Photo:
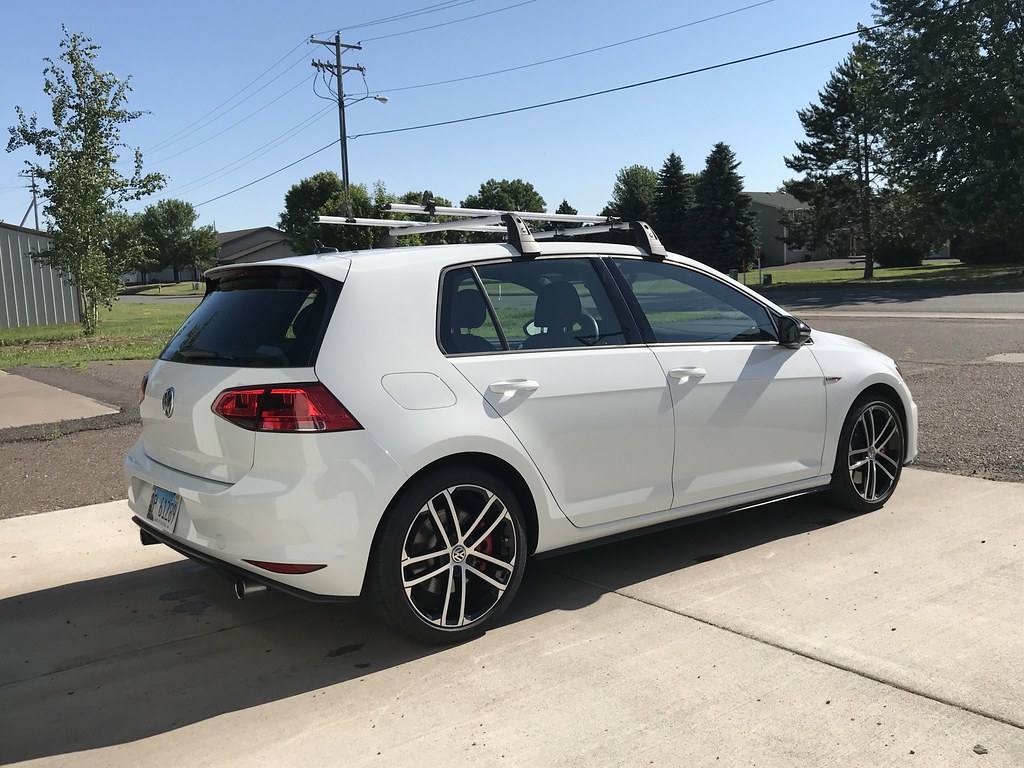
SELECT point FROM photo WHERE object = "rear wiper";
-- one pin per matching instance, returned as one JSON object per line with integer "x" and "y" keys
{"x": 194, "y": 353}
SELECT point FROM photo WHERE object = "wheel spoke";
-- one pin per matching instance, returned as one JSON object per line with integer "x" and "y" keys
{"x": 887, "y": 432}
{"x": 420, "y": 558}
{"x": 443, "y": 620}
{"x": 462, "y": 598}
{"x": 495, "y": 561}
{"x": 490, "y": 529}
{"x": 858, "y": 464}
{"x": 493, "y": 582}
{"x": 453, "y": 513}
{"x": 437, "y": 522}
{"x": 409, "y": 583}
{"x": 872, "y": 481}
{"x": 880, "y": 466}
{"x": 868, "y": 426}
{"x": 491, "y": 498}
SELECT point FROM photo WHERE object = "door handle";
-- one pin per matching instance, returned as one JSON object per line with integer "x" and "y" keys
{"x": 686, "y": 374}
{"x": 511, "y": 386}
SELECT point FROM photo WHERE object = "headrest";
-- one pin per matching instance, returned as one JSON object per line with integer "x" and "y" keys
{"x": 468, "y": 309}
{"x": 558, "y": 306}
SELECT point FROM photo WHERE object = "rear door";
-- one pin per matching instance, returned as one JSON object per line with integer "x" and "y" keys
{"x": 592, "y": 410}
{"x": 256, "y": 325}
{"x": 749, "y": 413}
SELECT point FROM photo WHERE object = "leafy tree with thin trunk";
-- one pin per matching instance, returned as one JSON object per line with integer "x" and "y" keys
{"x": 82, "y": 186}
{"x": 323, "y": 194}
{"x": 844, "y": 139}
{"x": 505, "y": 195}
{"x": 673, "y": 198}
{"x": 171, "y": 239}
{"x": 723, "y": 233}
{"x": 633, "y": 194}
{"x": 953, "y": 100}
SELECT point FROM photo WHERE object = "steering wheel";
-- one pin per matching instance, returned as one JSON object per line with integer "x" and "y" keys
{"x": 589, "y": 328}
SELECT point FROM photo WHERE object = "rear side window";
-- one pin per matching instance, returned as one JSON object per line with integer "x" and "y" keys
{"x": 257, "y": 318}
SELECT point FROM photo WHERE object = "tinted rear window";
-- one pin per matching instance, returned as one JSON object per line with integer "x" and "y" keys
{"x": 257, "y": 318}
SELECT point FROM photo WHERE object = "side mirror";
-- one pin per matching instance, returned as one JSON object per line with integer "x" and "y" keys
{"x": 792, "y": 332}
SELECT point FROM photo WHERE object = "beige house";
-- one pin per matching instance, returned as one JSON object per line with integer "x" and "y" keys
{"x": 258, "y": 244}
{"x": 768, "y": 208}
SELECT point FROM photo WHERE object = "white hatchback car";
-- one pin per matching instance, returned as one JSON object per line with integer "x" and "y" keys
{"x": 412, "y": 424}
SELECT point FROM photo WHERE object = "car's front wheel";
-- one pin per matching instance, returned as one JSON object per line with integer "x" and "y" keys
{"x": 869, "y": 458}
{"x": 450, "y": 555}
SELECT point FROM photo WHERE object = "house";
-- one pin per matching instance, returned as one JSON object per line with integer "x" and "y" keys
{"x": 32, "y": 293}
{"x": 259, "y": 244}
{"x": 768, "y": 208}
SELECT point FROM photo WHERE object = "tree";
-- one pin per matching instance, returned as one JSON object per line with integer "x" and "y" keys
{"x": 632, "y": 194}
{"x": 171, "y": 239}
{"x": 673, "y": 197}
{"x": 844, "y": 140}
{"x": 505, "y": 195}
{"x": 82, "y": 186}
{"x": 322, "y": 194}
{"x": 955, "y": 122}
{"x": 722, "y": 227}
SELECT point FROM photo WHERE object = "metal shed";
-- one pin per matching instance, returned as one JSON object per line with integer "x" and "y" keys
{"x": 31, "y": 293}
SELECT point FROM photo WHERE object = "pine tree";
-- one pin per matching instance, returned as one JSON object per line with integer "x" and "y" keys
{"x": 723, "y": 233}
{"x": 673, "y": 197}
{"x": 844, "y": 140}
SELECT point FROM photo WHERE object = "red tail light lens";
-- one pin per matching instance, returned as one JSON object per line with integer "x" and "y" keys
{"x": 285, "y": 408}
{"x": 142, "y": 387}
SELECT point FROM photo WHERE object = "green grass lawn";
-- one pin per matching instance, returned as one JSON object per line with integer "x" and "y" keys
{"x": 930, "y": 275}
{"x": 126, "y": 332}
{"x": 165, "y": 289}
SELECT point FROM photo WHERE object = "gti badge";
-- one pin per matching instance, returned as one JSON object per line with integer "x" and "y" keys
{"x": 168, "y": 402}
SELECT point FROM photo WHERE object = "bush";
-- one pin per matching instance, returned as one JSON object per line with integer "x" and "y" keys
{"x": 897, "y": 253}
{"x": 977, "y": 250}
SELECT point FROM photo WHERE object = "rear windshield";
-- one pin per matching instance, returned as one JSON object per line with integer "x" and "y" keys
{"x": 257, "y": 318}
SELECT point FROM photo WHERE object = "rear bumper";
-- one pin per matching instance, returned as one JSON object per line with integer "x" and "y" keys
{"x": 307, "y": 507}
{"x": 230, "y": 571}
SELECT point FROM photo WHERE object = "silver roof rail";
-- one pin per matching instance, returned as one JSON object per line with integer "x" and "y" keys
{"x": 511, "y": 223}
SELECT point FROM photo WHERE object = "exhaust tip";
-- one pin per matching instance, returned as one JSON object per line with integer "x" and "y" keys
{"x": 245, "y": 588}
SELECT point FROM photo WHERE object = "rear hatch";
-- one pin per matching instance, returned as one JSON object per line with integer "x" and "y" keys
{"x": 257, "y": 325}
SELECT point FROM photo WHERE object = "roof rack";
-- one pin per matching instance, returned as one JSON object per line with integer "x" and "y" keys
{"x": 510, "y": 223}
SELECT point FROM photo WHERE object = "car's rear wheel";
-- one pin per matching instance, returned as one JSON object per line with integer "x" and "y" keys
{"x": 450, "y": 555}
{"x": 869, "y": 458}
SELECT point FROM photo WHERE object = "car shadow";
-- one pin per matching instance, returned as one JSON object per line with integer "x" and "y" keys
{"x": 117, "y": 659}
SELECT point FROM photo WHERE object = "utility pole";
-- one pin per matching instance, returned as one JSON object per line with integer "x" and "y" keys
{"x": 338, "y": 70}
{"x": 34, "y": 205}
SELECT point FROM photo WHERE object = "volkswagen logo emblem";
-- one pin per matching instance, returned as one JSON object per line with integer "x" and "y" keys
{"x": 168, "y": 402}
{"x": 459, "y": 554}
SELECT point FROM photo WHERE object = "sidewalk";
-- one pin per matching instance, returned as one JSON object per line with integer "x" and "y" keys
{"x": 24, "y": 402}
{"x": 787, "y": 636}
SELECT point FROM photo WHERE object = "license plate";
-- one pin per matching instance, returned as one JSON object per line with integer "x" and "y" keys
{"x": 163, "y": 508}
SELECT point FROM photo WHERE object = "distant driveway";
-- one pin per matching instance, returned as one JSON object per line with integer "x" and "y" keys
{"x": 950, "y": 300}
{"x": 159, "y": 299}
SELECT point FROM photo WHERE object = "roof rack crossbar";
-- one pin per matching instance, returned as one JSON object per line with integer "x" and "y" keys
{"x": 480, "y": 212}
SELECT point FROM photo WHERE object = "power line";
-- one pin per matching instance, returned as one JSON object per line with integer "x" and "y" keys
{"x": 400, "y": 16}
{"x": 616, "y": 89}
{"x": 447, "y": 23}
{"x": 580, "y": 53}
{"x": 558, "y": 101}
{"x": 272, "y": 173}
{"x": 253, "y": 155}
{"x": 172, "y": 139}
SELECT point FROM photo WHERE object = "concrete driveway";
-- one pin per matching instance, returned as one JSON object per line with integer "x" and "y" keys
{"x": 790, "y": 635}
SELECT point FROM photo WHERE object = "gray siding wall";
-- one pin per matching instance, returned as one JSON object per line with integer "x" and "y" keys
{"x": 31, "y": 293}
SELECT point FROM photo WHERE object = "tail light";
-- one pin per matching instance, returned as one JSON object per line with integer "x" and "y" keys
{"x": 285, "y": 408}
{"x": 142, "y": 387}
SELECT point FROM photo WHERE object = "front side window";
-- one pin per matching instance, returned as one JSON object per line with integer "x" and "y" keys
{"x": 684, "y": 306}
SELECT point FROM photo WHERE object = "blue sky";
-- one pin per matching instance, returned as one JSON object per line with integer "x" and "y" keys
{"x": 210, "y": 131}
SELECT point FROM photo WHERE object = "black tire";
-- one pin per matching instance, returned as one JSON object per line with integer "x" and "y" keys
{"x": 869, "y": 457}
{"x": 464, "y": 526}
